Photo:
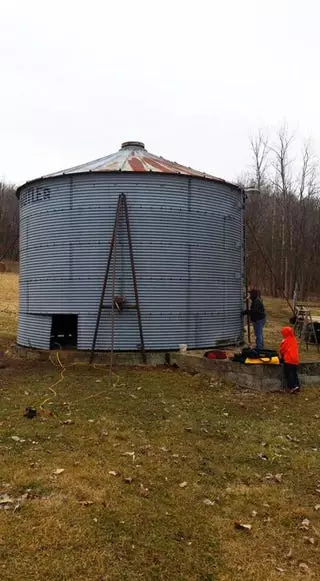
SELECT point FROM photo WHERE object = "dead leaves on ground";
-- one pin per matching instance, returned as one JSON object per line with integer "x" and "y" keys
{"x": 243, "y": 527}
{"x": 9, "y": 503}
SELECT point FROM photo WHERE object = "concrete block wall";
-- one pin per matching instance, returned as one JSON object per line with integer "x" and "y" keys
{"x": 266, "y": 378}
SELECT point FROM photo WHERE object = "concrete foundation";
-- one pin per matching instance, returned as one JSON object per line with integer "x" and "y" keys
{"x": 129, "y": 358}
{"x": 266, "y": 378}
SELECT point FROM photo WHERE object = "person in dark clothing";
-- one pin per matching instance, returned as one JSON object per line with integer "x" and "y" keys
{"x": 257, "y": 316}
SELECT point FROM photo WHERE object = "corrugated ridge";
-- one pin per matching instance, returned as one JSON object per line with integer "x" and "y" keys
{"x": 187, "y": 244}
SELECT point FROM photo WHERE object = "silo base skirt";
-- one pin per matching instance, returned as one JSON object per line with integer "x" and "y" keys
{"x": 125, "y": 358}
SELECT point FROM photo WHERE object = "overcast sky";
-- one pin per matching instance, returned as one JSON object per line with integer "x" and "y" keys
{"x": 191, "y": 79}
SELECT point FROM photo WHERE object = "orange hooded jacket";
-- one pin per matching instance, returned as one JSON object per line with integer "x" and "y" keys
{"x": 289, "y": 347}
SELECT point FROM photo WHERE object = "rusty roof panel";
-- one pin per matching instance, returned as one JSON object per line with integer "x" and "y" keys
{"x": 133, "y": 157}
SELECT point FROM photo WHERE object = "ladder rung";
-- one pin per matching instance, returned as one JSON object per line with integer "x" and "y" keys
{"x": 106, "y": 307}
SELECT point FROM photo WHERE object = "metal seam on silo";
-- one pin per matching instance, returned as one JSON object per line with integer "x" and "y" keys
{"x": 177, "y": 224}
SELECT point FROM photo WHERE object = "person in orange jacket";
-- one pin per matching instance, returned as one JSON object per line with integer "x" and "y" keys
{"x": 289, "y": 355}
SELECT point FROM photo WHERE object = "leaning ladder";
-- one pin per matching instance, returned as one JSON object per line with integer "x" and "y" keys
{"x": 122, "y": 209}
{"x": 304, "y": 323}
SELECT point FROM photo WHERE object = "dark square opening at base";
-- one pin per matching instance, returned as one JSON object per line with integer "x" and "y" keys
{"x": 64, "y": 331}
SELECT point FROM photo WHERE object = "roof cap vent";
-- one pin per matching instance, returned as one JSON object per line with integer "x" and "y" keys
{"x": 132, "y": 145}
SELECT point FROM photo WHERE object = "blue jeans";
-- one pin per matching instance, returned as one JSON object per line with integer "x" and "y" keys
{"x": 258, "y": 331}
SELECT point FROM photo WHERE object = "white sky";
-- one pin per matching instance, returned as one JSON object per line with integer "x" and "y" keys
{"x": 191, "y": 79}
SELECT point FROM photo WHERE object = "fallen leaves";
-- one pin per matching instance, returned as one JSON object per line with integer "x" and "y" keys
{"x": 275, "y": 477}
{"x": 292, "y": 439}
{"x": 132, "y": 454}
{"x": 58, "y": 471}
{"x": 242, "y": 526}
{"x": 8, "y": 502}
{"x": 263, "y": 456}
{"x": 309, "y": 540}
{"x": 144, "y": 492}
{"x": 304, "y": 568}
{"x": 305, "y": 525}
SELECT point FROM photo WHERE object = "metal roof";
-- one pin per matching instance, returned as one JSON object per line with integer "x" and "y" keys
{"x": 133, "y": 157}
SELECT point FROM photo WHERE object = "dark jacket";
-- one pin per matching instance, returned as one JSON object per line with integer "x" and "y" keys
{"x": 257, "y": 311}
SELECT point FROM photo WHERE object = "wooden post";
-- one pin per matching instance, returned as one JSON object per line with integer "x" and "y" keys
{"x": 248, "y": 315}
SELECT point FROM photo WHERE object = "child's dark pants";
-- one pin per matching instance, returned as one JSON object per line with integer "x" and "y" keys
{"x": 291, "y": 375}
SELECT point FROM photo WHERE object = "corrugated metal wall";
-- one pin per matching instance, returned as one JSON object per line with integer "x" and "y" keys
{"x": 187, "y": 239}
{"x": 34, "y": 330}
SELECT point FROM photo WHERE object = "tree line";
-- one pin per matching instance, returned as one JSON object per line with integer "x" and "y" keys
{"x": 9, "y": 223}
{"x": 282, "y": 217}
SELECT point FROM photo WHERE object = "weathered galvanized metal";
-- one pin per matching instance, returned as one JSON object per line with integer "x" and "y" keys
{"x": 133, "y": 157}
{"x": 187, "y": 234}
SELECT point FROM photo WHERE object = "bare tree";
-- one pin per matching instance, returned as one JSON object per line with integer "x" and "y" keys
{"x": 260, "y": 151}
{"x": 307, "y": 187}
{"x": 9, "y": 222}
{"x": 282, "y": 182}
{"x": 285, "y": 217}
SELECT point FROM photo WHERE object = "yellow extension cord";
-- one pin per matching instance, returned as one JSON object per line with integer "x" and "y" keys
{"x": 62, "y": 377}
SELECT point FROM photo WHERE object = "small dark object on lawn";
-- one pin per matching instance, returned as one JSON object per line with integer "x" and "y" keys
{"x": 30, "y": 413}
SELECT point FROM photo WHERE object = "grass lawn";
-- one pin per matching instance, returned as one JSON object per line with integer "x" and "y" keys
{"x": 145, "y": 479}
{"x": 8, "y": 308}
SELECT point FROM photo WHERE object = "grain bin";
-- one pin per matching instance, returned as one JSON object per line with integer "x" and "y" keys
{"x": 187, "y": 235}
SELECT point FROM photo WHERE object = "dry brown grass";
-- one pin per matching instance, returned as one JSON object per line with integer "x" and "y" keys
{"x": 89, "y": 525}
{"x": 9, "y": 288}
